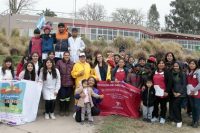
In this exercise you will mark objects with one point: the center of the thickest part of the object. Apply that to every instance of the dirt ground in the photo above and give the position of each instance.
(110, 124)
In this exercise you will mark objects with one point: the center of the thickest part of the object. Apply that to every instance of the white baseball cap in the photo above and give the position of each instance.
(81, 54)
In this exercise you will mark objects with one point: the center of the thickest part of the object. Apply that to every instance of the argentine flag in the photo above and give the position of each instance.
(41, 22)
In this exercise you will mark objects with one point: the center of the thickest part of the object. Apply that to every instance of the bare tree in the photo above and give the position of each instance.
(128, 16)
(92, 12)
(15, 6)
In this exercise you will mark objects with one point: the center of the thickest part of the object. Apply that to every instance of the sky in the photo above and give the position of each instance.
(67, 6)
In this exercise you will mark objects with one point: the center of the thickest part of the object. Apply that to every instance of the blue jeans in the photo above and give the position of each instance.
(195, 105)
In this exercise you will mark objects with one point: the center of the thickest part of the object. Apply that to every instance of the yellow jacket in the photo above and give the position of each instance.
(77, 69)
(96, 73)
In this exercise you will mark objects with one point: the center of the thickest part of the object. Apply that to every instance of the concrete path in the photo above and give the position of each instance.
(60, 125)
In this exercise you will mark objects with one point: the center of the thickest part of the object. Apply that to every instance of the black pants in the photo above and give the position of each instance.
(195, 104)
(49, 106)
(64, 95)
(163, 107)
(177, 102)
(95, 112)
(171, 114)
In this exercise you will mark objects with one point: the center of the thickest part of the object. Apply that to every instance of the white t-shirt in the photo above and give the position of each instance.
(86, 92)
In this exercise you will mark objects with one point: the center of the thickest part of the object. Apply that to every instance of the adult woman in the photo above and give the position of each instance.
(7, 73)
(65, 67)
(29, 72)
(7, 69)
(193, 90)
(120, 72)
(101, 69)
(20, 66)
(36, 62)
(50, 76)
(159, 80)
(92, 82)
(169, 61)
(179, 92)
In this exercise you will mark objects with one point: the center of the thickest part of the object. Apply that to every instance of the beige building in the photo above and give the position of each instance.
(94, 30)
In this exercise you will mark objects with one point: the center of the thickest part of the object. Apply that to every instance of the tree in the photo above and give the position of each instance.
(184, 17)
(153, 16)
(128, 16)
(92, 12)
(48, 13)
(16, 6)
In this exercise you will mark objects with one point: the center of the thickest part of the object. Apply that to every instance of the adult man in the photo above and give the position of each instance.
(61, 41)
(81, 70)
(76, 45)
(65, 67)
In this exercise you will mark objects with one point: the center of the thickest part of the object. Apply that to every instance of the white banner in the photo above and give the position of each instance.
(19, 101)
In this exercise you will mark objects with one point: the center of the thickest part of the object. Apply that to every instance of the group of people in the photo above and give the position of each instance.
(60, 63)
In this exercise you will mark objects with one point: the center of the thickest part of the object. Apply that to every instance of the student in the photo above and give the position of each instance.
(48, 40)
(133, 77)
(76, 45)
(160, 81)
(86, 102)
(51, 55)
(35, 44)
(50, 76)
(81, 70)
(148, 99)
(120, 72)
(102, 70)
(65, 67)
(62, 44)
(7, 69)
(20, 66)
(193, 90)
(7, 73)
(179, 92)
(29, 72)
(110, 59)
(169, 61)
(36, 62)
(116, 59)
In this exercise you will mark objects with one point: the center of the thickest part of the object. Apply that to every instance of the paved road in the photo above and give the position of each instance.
(60, 125)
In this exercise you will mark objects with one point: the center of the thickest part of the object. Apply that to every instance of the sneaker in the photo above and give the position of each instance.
(195, 125)
(162, 121)
(154, 119)
(74, 115)
(148, 120)
(46, 116)
(52, 116)
(179, 125)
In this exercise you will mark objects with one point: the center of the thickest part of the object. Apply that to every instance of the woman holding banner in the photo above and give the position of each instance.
(7, 70)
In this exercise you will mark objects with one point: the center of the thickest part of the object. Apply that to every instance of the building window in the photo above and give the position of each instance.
(110, 32)
(100, 31)
(115, 32)
(93, 31)
(121, 33)
(93, 37)
(105, 31)
(110, 38)
(125, 33)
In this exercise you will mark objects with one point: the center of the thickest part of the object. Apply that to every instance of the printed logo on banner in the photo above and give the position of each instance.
(11, 97)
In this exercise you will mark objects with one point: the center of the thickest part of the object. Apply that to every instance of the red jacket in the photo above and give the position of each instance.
(36, 46)
(20, 67)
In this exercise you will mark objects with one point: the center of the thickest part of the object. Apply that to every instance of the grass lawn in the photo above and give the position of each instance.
(118, 124)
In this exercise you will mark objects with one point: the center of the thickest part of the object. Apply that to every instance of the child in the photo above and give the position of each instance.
(86, 102)
(50, 76)
(35, 44)
(29, 72)
(148, 98)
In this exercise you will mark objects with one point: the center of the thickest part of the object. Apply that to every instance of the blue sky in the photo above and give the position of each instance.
(110, 5)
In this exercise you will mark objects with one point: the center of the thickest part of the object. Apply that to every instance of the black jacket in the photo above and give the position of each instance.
(179, 86)
(148, 97)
